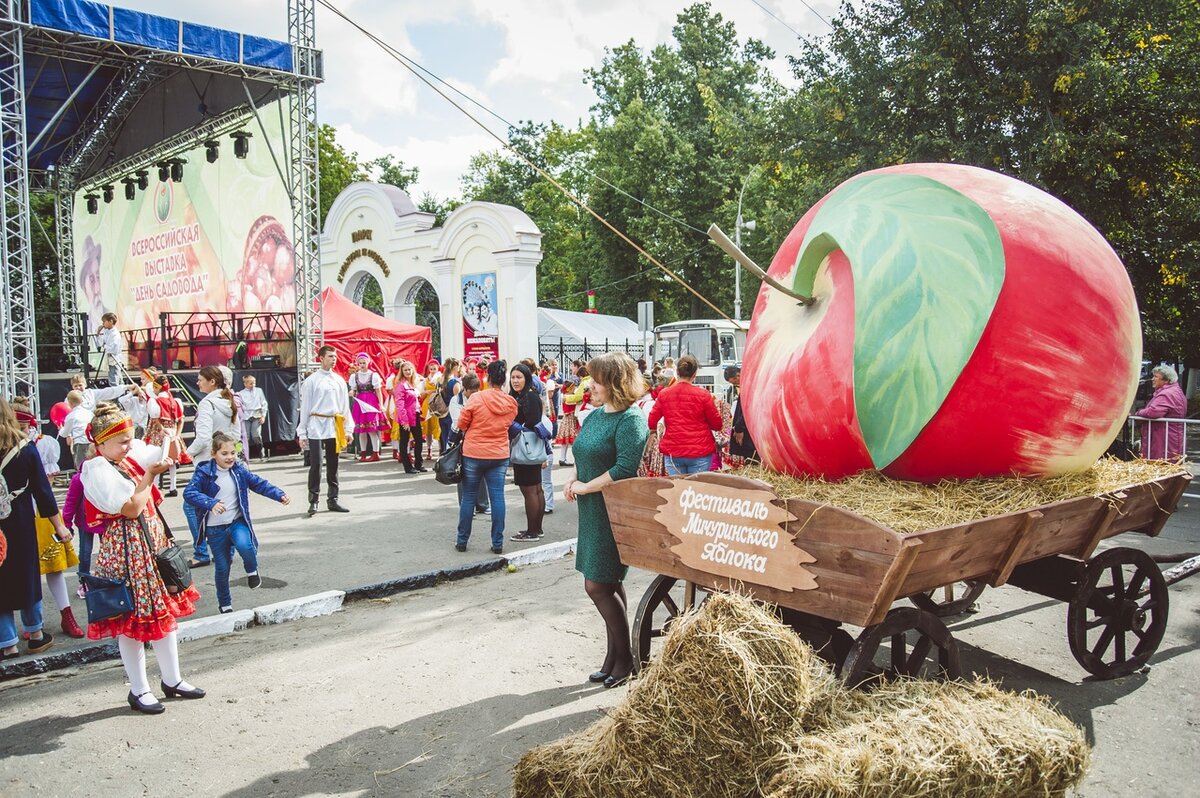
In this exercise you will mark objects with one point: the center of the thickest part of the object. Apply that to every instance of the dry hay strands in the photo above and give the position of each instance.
(914, 506)
(729, 689)
(935, 740)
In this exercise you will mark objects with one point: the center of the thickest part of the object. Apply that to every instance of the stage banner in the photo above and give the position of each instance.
(481, 323)
(219, 240)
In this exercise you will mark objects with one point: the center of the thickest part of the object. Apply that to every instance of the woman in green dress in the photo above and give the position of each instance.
(609, 447)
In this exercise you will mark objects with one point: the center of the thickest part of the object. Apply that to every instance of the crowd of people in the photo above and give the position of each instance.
(608, 419)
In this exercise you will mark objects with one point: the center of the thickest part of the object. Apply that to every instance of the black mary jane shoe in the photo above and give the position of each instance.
(598, 677)
(178, 692)
(616, 681)
(146, 709)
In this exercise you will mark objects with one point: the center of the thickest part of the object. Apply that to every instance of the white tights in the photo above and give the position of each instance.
(133, 657)
(57, 582)
(371, 438)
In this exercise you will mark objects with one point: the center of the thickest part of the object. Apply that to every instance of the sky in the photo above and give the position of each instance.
(523, 59)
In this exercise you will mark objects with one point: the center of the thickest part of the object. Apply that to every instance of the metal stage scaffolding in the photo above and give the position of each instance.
(91, 93)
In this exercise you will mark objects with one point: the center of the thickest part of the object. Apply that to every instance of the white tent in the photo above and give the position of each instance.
(571, 329)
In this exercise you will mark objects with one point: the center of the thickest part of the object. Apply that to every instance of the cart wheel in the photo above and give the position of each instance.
(660, 605)
(949, 600)
(1118, 615)
(930, 638)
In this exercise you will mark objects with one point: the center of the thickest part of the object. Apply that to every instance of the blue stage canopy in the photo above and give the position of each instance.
(76, 51)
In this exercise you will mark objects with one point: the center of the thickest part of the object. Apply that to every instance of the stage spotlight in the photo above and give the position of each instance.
(164, 171)
(93, 203)
(210, 150)
(143, 179)
(177, 168)
(241, 143)
(130, 188)
(108, 193)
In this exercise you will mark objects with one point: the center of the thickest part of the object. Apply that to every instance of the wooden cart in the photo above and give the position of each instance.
(829, 566)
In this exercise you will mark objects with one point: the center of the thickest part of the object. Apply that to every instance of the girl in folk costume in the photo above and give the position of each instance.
(431, 424)
(54, 556)
(725, 411)
(389, 407)
(165, 414)
(366, 407)
(574, 399)
(408, 417)
(652, 459)
(119, 490)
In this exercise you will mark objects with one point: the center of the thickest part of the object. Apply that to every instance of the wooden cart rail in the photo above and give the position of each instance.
(861, 567)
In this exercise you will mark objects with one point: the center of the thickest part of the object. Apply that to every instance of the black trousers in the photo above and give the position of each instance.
(314, 468)
(419, 442)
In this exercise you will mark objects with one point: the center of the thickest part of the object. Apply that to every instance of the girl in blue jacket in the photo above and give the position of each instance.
(220, 492)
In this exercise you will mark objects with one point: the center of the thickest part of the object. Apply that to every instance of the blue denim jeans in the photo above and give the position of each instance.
(199, 550)
(31, 619)
(223, 540)
(86, 541)
(548, 483)
(491, 473)
(679, 466)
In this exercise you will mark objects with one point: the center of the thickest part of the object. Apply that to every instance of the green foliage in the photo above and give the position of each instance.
(338, 168)
(392, 171)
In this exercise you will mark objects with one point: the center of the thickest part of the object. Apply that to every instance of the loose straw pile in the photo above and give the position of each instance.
(914, 506)
(737, 706)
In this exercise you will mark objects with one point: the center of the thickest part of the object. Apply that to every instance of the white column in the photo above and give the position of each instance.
(406, 313)
(516, 285)
(450, 305)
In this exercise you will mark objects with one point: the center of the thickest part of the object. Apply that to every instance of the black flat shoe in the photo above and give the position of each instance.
(312, 509)
(253, 580)
(598, 677)
(460, 546)
(334, 507)
(497, 549)
(615, 681)
(171, 494)
(146, 709)
(177, 691)
(421, 470)
(198, 563)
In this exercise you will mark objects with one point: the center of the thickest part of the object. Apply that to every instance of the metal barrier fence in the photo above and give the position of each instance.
(1151, 438)
(564, 353)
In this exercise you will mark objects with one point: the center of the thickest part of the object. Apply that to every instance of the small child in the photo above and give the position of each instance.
(220, 490)
(74, 428)
(75, 516)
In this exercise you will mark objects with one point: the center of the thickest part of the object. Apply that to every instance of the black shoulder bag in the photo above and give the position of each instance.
(107, 598)
(171, 562)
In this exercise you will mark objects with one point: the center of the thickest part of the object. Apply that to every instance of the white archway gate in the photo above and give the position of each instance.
(375, 230)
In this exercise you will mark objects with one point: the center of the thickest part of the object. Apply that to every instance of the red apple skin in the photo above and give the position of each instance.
(800, 400)
(1046, 390)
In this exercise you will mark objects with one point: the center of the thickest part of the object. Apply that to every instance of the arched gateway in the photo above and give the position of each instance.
(482, 264)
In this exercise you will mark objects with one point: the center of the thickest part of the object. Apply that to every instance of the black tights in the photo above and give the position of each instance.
(535, 507)
(610, 601)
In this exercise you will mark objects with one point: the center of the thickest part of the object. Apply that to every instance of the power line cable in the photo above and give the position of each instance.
(672, 262)
(403, 60)
(773, 16)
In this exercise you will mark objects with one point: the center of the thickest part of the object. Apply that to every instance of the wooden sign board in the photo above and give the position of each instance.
(735, 533)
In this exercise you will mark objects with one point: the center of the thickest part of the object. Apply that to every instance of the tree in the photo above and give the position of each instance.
(391, 170)
(338, 168)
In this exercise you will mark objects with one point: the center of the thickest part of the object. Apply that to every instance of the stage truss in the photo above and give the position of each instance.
(141, 69)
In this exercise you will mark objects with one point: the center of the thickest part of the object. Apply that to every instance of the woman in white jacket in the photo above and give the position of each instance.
(215, 413)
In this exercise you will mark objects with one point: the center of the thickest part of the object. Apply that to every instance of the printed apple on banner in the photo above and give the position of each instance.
(966, 324)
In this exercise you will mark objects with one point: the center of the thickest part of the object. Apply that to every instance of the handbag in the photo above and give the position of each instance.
(171, 562)
(107, 598)
(528, 449)
(437, 405)
(449, 467)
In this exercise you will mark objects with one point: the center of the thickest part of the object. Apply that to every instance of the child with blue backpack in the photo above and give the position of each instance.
(220, 492)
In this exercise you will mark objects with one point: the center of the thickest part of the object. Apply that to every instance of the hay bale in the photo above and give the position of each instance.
(915, 506)
(935, 739)
(723, 698)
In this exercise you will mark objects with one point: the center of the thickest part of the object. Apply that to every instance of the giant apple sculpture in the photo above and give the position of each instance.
(965, 324)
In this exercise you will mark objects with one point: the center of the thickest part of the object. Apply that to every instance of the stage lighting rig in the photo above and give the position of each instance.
(93, 203)
(211, 151)
(177, 168)
(164, 171)
(241, 143)
(130, 188)
(143, 179)
(108, 193)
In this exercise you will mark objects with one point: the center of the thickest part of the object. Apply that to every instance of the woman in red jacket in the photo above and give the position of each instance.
(690, 418)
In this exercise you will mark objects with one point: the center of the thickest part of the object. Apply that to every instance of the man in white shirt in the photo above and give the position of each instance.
(324, 397)
(254, 413)
(112, 346)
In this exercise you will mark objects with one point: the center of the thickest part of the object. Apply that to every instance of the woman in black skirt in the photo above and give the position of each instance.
(528, 477)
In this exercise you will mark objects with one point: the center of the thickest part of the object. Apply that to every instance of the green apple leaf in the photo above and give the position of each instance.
(927, 264)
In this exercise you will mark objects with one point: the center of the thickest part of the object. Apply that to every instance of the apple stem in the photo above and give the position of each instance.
(721, 240)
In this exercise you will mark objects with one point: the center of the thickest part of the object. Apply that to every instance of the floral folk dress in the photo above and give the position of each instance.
(122, 553)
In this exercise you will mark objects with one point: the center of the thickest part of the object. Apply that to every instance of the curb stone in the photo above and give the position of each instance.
(310, 606)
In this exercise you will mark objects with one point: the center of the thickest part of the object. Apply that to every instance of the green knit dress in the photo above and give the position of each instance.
(611, 442)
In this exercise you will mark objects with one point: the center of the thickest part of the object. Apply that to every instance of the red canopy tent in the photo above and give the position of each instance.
(350, 329)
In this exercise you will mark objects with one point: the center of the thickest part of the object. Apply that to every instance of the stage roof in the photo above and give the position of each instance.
(80, 56)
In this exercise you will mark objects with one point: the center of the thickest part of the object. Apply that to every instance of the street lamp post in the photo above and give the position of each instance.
(737, 240)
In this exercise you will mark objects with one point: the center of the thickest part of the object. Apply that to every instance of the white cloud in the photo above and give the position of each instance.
(441, 160)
